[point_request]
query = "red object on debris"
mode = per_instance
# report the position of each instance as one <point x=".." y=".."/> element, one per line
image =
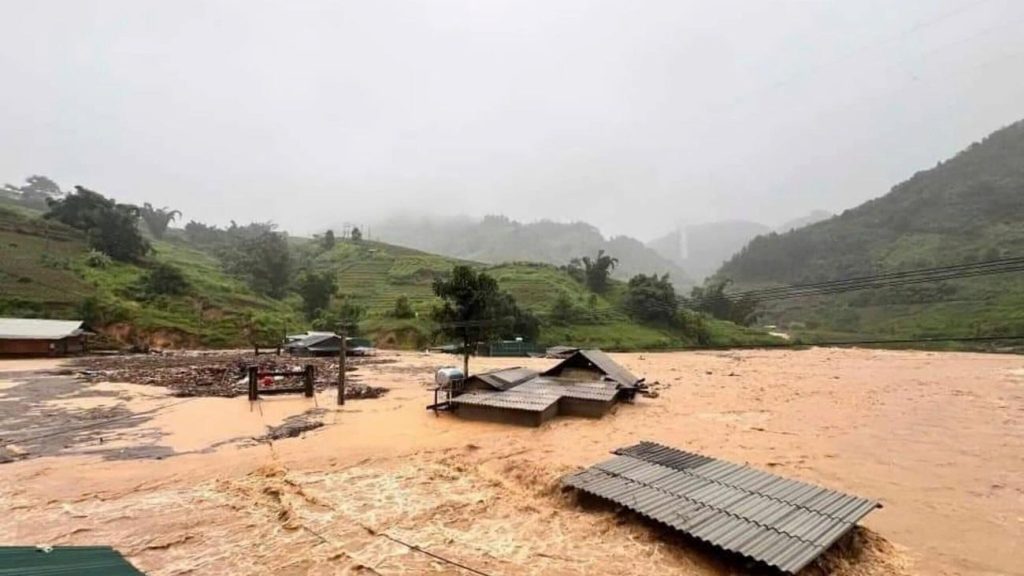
<point x="267" y="381"/>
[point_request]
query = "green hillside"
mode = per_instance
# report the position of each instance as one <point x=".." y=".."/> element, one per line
<point x="45" y="272"/>
<point x="374" y="275"/>
<point x="967" y="209"/>
<point x="48" y="270"/>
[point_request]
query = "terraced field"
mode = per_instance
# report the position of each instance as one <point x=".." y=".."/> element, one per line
<point x="43" y="273"/>
<point x="375" y="275"/>
<point x="36" y="274"/>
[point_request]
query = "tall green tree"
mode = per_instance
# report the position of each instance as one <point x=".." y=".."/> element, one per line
<point x="316" y="290"/>
<point x="329" y="240"/>
<point x="474" y="309"/>
<point x="598" y="270"/>
<point x="35" y="193"/>
<point x="110" y="227"/>
<point x="263" y="260"/>
<point x="403" y="309"/>
<point x="345" y="312"/>
<point x="651" y="299"/>
<point x="712" y="299"/>
<point x="158" y="219"/>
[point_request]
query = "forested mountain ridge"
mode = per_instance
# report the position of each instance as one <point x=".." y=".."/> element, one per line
<point x="968" y="208"/>
<point x="498" y="239"/>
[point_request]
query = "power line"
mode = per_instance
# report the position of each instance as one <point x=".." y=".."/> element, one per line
<point x="890" y="275"/>
<point x="874" y="342"/>
<point x="416" y="548"/>
<point x="886" y="280"/>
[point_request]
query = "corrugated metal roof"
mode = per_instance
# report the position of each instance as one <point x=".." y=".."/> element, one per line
<point x="318" y="339"/>
<point x="602" y="362"/>
<point x="506" y="378"/>
<point x="64" y="560"/>
<point x="511" y="400"/>
<point x="604" y="391"/>
<point x="783" y="523"/>
<point x="37" y="329"/>
<point x="536" y="394"/>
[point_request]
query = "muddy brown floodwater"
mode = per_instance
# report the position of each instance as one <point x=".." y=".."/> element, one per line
<point x="197" y="485"/>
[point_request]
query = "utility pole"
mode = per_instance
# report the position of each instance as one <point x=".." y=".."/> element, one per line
<point x="341" y="365"/>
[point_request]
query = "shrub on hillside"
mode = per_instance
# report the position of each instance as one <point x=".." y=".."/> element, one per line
<point x="164" y="280"/>
<point x="97" y="259"/>
<point x="403" y="309"/>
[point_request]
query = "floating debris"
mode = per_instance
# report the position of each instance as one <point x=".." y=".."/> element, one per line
<point x="218" y="373"/>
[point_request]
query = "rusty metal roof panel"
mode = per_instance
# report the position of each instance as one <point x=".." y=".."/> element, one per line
<point x="780" y="522"/>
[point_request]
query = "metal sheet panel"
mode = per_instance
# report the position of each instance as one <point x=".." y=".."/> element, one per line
<point x="601" y="391"/>
<point x="506" y="400"/>
<point x="780" y="522"/>
<point x="506" y="378"/>
<point x="35" y="329"/>
<point x="64" y="560"/>
<point x="602" y="362"/>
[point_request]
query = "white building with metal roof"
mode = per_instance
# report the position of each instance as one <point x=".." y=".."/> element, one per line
<point x="41" y="337"/>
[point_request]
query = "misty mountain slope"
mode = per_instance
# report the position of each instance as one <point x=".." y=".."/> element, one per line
<point x="702" y="248"/>
<point x="497" y="240"/>
<point x="813" y="217"/>
<point x="969" y="208"/>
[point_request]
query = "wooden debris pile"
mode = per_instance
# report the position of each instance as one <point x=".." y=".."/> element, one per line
<point x="219" y="373"/>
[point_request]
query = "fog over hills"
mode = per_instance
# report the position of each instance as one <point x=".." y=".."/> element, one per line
<point x="701" y="249"/>
<point x="497" y="239"/>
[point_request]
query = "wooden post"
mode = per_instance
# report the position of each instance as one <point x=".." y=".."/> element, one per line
<point x="310" y="377"/>
<point x="253" y="382"/>
<point x="341" y="368"/>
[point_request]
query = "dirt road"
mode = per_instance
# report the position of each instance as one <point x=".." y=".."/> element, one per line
<point x="182" y="488"/>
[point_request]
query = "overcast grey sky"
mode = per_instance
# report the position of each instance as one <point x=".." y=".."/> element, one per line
<point x="634" y="116"/>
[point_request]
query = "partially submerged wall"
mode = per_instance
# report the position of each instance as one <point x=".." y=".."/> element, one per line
<point x="584" y="408"/>
<point x="502" y="416"/>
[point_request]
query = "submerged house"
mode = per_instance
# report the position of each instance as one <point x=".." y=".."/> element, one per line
<point x="326" y="344"/>
<point x="314" y="344"/>
<point x="36" y="337"/>
<point x="587" y="383"/>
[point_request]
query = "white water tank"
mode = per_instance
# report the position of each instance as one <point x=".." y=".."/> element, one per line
<point x="446" y="376"/>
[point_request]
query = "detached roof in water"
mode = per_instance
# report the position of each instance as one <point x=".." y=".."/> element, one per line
<point x="774" y="520"/>
<point x="64" y="561"/>
<point x="317" y="341"/>
<point x="36" y="329"/>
